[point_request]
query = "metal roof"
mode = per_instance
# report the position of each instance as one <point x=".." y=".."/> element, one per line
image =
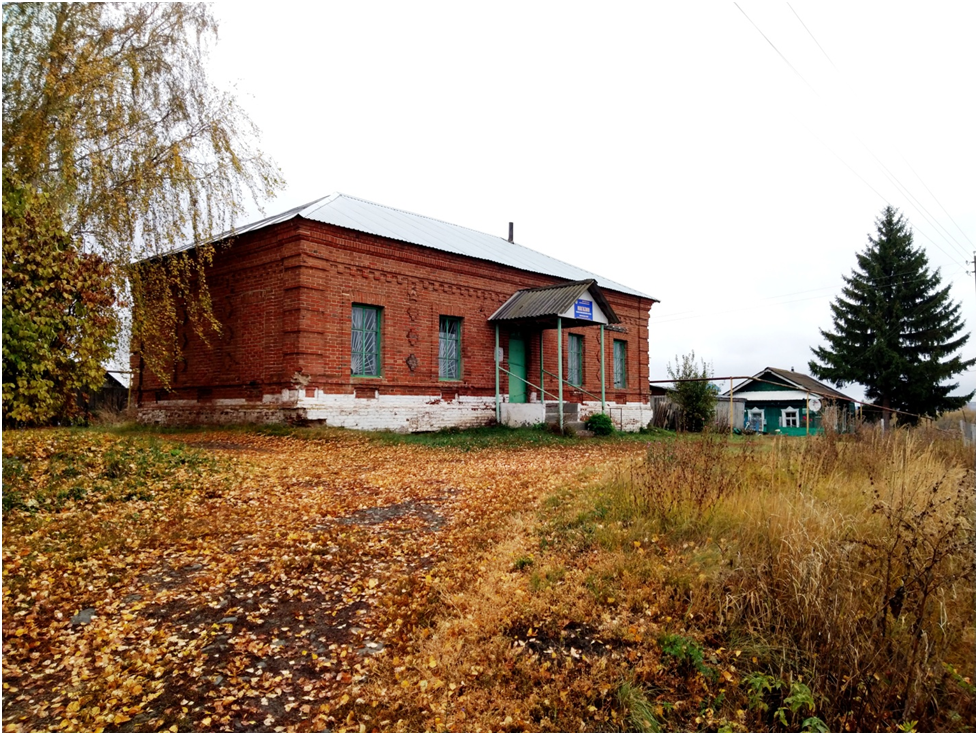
<point x="376" y="219"/>
<point x="807" y="382"/>
<point x="551" y="301"/>
<point x="798" y="380"/>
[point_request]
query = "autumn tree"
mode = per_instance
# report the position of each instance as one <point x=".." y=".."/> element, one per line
<point x="58" y="319"/>
<point x="895" y="330"/>
<point x="693" y="392"/>
<point x="108" y="110"/>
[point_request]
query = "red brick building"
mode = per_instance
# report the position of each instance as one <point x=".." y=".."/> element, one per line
<point x="349" y="313"/>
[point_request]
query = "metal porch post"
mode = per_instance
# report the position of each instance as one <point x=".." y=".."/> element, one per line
<point x="560" y="373"/>
<point x="731" y="406"/>
<point x="602" y="369"/>
<point x="543" y="398"/>
<point x="496" y="360"/>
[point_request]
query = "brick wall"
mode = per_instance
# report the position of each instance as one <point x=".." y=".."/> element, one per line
<point x="284" y="297"/>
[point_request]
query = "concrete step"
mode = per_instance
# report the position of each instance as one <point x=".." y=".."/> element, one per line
<point x="571" y="410"/>
<point x="574" y="427"/>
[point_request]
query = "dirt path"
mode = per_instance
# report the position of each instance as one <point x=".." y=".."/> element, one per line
<point x="262" y="610"/>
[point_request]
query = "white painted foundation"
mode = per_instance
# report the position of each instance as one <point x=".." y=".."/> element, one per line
<point x="625" y="416"/>
<point x="398" y="413"/>
<point x="406" y="414"/>
<point x="522" y="414"/>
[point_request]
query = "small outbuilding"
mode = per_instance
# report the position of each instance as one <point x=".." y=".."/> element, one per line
<point x="348" y="313"/>
<point x="778" y="401"/>
<point x="113" y="395"/>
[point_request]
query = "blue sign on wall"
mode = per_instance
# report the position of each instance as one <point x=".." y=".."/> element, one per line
<point x="584" y="309"/>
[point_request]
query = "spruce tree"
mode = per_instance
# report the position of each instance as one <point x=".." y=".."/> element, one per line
<point x="895" y="330"/>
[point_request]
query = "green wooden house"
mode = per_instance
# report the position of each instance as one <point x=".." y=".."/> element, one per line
<point x="780" y="401"/>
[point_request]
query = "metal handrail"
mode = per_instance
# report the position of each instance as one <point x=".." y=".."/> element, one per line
<point x="575" y="387"/>
<point x="543" y="391"/>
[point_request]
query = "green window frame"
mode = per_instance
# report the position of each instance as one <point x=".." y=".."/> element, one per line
<point x="575" y="359"/>
<point x="365" y="341"/>
<point x="621" y="363"/>
<point x="449" y="348"/>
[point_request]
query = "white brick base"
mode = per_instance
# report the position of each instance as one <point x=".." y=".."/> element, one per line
<point x="399" y="413"/>
<point x="625" y="416"/>
<point x="404" y="414"/>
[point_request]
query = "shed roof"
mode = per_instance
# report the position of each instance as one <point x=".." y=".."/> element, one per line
<point x="376" y="219"/>
<point x="549" y="302"/>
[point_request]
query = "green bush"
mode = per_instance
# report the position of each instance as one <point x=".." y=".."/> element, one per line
<point x="600" y="424"/>
<point x="693" y="393"/>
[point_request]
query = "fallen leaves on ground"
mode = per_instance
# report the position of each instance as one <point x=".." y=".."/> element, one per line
<point x="252" y="583"/>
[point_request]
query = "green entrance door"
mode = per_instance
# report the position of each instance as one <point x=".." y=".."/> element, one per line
<point x="517" y="366"/>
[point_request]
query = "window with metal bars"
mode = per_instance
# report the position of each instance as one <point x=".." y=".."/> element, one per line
<point x="621" y="363"/>
<point x="450" y="348"/>
<point x="575" y="359"/>
<point x="365" y="350"/>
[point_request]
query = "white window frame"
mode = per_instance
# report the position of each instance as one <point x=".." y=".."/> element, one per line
<point x="796" y="417"/>
<point x="751" y="413"/>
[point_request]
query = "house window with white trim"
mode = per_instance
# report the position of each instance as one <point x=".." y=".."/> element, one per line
<point x="789" y="418"/>
<point x="755" y="419"/>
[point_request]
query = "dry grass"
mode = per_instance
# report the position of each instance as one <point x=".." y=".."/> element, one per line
<point x="784" y="584"/>
<point x="950" y="421"/>
<point x="862" y="580"/>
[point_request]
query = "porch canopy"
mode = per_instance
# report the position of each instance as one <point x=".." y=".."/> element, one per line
<point x="572" y="304"/>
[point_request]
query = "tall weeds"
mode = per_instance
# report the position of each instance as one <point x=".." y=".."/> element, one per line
<point x="681" y="482"/>
<point x="849" y="563"/>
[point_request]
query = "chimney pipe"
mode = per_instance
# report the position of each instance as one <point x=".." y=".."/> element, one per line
<point x="511" y="232"/>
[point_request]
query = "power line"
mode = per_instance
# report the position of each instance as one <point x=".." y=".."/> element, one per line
<point x="777" y="51"/>
<point x="685" y="315"/>
<point x="967" y="239"/>
<point x="813" y="37"/>
<point x="752" y="307"/>
<point x="833" y="286"/>
<point x="890" y="174"/>
<point x="886" y="333"/>
<point x="923" y="210"/>
<point x="892" y="177"/>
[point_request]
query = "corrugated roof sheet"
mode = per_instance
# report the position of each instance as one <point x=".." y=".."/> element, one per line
<point x="376" y="219"/>
<point x="809" y="383"/>
<point x="546" y="301"/>
<point x="799" y="380"/>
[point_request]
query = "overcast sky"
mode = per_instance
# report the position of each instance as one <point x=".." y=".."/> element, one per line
<point x="727" y="159"/>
